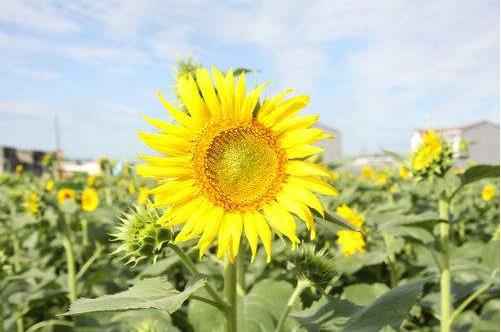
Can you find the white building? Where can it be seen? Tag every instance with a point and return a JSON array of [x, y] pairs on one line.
[[481, 137], [333, 146]]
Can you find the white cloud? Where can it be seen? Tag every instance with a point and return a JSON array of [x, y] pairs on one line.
[[40, 16], [27, 109], [36, 74]]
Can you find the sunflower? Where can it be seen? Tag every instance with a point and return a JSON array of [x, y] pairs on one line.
[[65, 194], [350, 241], [32, 202], [231, 164], [404, 173], [367, 172], [49, 185], [90, 199], [488, 192]]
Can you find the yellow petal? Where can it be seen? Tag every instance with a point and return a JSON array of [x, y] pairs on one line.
[[270, 104], [301, 136], [168, 145], [176, 113], [304, 168], [197, 218], [281, 220], [251, 102], [179, 213], [171, 186], [190, 96], [295, 123], [251, 233], [169, 128], [176, 197], [303, 195], [303, 151], [313, 184], [264, 232], [207, 89], [214, 218], [286, 109]]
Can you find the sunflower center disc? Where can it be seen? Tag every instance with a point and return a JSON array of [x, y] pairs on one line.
[[244, 167]]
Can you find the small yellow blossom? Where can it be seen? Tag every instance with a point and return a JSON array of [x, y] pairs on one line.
[[65, 194], [350, 215], [91, 180], [404, 173], [428, 153], [459, 170], [350, 241], [90, 199], [381, 178], [367, 172], [19, 169], [488, 192], [32, 203], [393, 189], [335, 175], [49, 185]]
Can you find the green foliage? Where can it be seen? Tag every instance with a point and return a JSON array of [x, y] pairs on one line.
[[149, 293]]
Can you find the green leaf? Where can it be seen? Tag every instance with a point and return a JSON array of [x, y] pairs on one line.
[[479, 172], [334, 218], [364, 294], [390, 309], [327, 314], [148, 293], [258, 311]]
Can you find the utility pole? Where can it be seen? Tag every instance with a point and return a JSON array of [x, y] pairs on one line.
[[57, 139]]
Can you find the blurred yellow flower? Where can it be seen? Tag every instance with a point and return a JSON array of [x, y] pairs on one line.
[[367, 172], [91, 180], [381, 178], [350, 215], [19, 169], [404, 173], [49, 185], [32, 203], [235, 165], [65, 194], [350, 241], [393, 189], [459, 170], [488, 192], [90, 199], [428, 153], [335, 175]]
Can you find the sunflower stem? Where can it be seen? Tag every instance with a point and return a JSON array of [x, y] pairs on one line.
[[241, 275], [85, 232], [445, 274], [302, 284], [70, 261], [193, 270], [19, 320], [230, 291]]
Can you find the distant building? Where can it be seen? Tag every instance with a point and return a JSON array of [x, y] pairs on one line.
[[31, 160], [481, 137], [88, 167], [333, 146], [378, 161]]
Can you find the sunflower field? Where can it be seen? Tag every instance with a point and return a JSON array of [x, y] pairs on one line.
[[236, 224]]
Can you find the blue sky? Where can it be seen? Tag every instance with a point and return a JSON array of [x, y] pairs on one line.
[[375, 70]]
